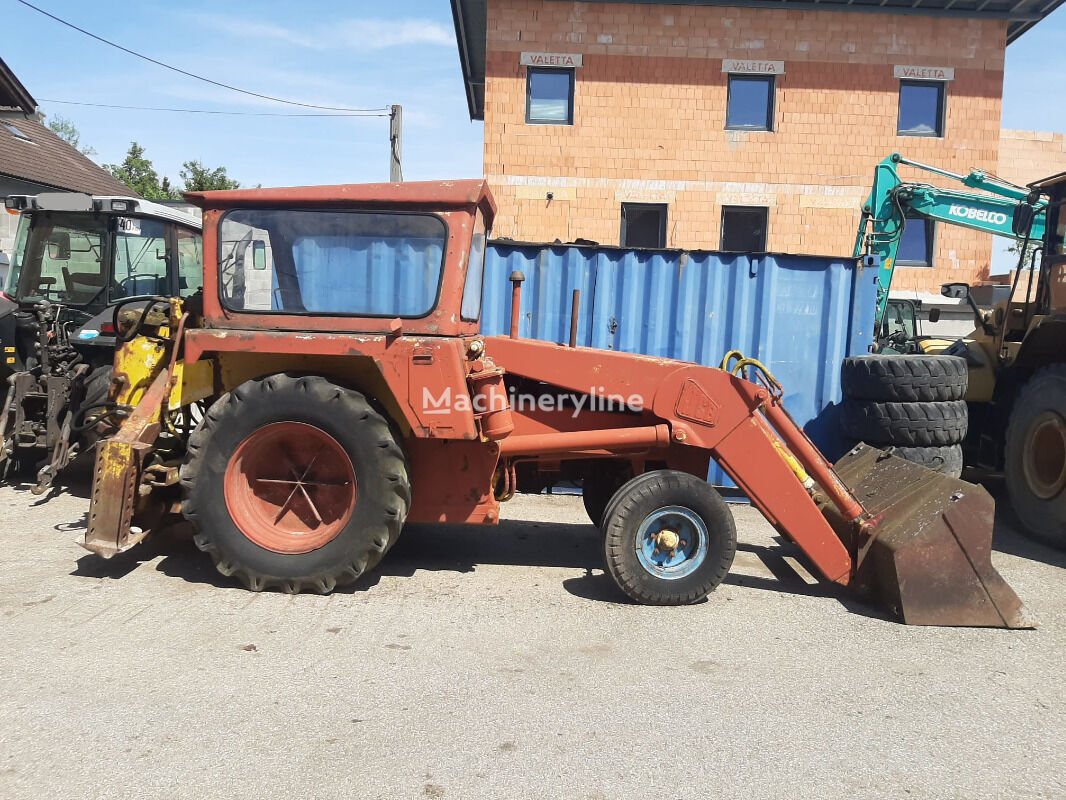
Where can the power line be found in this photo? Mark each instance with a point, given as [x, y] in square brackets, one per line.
[191, 74]
[361, 113]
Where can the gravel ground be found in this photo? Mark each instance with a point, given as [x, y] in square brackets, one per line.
[502, 663]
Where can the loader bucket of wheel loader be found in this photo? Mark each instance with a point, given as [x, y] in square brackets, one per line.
[929, 559]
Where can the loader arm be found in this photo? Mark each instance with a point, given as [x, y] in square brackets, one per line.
[893, 201]
[918, 542]
[738, 421]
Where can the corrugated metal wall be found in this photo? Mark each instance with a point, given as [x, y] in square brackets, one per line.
[800, 315]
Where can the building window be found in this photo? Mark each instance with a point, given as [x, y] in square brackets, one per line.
[744, 229]
[16, 132]
[921, 108]
[643, 224]
[549, 96]
[750, 103]
[917, 244]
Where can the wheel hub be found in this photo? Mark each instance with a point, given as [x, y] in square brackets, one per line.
[672, 543]
[290, 487]
[667, 539]
[1044, 460]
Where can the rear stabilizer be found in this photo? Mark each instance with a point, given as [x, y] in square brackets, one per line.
[929, 560]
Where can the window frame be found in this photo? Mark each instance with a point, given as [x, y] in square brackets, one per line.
[941, 111]
[664, 222]
[930, 245]
[293, 313]
[485, 233]
[530, 71]
[765, 232]
[170, 240]
[771, 111]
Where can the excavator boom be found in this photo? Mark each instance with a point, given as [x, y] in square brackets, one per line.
[893, 201]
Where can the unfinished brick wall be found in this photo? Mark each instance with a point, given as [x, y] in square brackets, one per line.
[649, 121]
[1027, 156]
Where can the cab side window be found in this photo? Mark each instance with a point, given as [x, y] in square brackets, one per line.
[140, 258]
[190, 248]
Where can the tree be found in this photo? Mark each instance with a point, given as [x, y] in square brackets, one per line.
[69, 133]
[199, 178]
[137, 172]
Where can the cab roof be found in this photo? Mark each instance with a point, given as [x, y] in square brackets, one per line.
[422, 195]
[1045, 183]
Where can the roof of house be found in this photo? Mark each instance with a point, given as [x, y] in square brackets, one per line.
[12, 93]
[31, 152]
[39, 156]
[469, 17]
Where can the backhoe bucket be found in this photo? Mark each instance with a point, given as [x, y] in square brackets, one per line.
[929, 560]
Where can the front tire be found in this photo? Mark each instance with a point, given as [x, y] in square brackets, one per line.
[295, 483]
[1036, 456]
[669, 538]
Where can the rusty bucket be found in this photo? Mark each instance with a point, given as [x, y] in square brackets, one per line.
[929, 561]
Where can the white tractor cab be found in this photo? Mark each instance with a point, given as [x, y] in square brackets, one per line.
[77, 256]
[77, 260]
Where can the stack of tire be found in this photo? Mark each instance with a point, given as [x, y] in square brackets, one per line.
[910, 403]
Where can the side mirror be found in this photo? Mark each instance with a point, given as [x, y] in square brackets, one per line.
[934, 314]
[957, 291]
[59, 246]
[1023, 219]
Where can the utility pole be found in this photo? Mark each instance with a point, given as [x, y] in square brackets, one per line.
[396, 144]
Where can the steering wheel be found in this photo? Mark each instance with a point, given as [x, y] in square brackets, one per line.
[129, 279]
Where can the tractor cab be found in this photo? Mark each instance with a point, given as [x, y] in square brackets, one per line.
[374, 258]
[77, 256]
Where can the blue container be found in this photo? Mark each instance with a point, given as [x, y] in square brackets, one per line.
[799, 315]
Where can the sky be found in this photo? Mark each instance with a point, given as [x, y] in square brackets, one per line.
[358, 53]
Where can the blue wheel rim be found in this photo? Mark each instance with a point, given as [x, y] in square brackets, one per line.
[672, 525]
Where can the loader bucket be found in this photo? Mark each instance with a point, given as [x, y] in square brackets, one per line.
[929, 560]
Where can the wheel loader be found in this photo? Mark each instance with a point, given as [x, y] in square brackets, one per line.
[314, 399]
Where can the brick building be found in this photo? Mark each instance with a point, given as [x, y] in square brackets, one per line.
[752, 125]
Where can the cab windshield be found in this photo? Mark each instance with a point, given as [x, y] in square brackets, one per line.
[900, 320]
[60, 258]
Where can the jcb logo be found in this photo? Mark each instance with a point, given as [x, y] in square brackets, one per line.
[979, 214]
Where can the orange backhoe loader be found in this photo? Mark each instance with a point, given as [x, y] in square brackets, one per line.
[331, 383]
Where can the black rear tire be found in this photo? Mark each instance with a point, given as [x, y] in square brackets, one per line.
[668, 502]
[96, 388]
[945, 460]
[905, 424]
[382, 492]
[904, 378]
[1035, 463]
[599, 486]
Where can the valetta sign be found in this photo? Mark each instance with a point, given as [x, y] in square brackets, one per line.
[550, 60]
[924, 73]
[748, 66]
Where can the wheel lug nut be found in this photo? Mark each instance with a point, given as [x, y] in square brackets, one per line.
[655, 552]
[684, 543]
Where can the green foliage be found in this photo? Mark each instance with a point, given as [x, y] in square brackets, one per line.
[69, 133]
[199, 178]
[137, 172]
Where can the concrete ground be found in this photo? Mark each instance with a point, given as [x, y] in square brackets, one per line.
[502, 663]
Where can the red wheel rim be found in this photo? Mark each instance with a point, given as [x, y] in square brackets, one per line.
[290, 487]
